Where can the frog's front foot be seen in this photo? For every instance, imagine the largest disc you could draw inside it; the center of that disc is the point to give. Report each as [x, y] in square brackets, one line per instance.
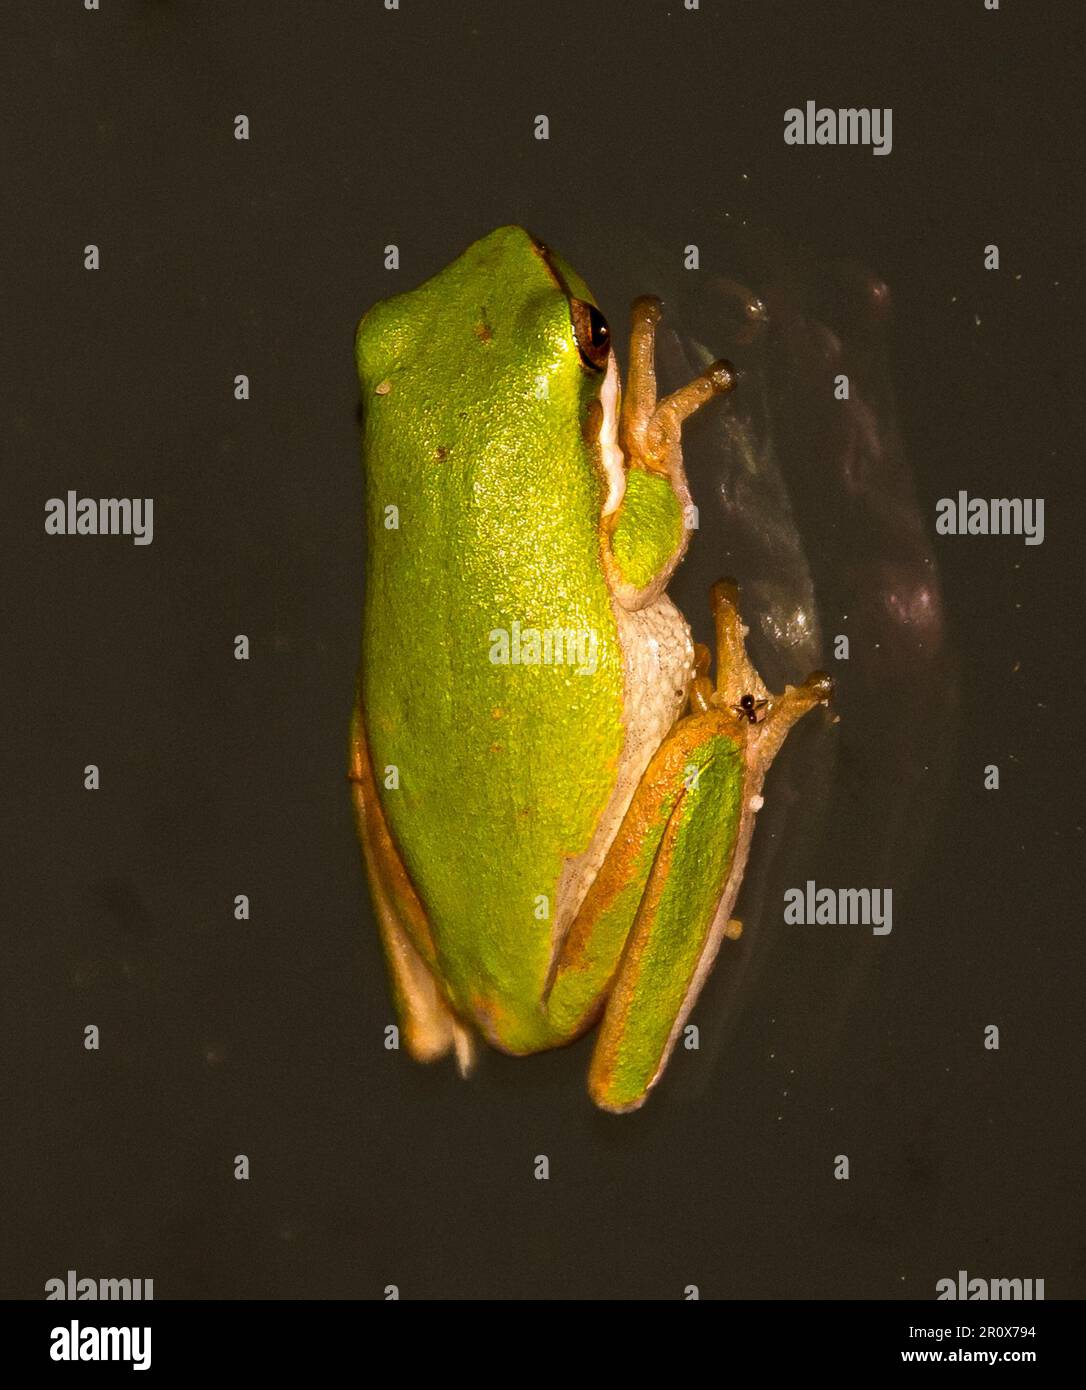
[650, 428]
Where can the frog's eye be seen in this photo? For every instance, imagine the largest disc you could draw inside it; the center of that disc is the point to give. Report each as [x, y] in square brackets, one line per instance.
[592, 334]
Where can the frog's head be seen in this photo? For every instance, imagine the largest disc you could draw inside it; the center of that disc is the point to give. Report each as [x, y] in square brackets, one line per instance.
[507, 286]
[506, 339]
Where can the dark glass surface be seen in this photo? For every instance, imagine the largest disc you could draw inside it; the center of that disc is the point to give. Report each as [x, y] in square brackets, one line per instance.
[222, 777]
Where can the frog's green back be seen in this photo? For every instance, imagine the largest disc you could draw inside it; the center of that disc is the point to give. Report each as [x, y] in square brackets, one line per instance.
[474, 402]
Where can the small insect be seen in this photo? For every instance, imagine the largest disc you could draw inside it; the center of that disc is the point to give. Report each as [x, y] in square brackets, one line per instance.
[748, 707]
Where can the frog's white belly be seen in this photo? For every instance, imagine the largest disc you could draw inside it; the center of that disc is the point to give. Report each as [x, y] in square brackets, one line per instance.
[658, 666]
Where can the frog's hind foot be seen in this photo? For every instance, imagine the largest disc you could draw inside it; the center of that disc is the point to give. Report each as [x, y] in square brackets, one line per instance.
[740, 690]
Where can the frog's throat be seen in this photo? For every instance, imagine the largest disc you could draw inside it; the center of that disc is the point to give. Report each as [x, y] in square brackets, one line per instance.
[612, 459]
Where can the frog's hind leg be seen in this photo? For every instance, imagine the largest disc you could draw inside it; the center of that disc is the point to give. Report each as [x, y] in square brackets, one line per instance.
[430, 1028]
[655, 917]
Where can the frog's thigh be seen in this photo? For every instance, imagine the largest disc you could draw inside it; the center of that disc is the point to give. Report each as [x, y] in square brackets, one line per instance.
[429, 1026]
[673, 934]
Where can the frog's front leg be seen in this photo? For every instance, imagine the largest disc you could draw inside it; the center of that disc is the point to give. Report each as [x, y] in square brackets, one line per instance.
[650, 925]
[647, 531]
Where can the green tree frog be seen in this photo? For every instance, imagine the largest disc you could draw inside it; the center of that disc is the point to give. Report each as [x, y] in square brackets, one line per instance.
[554, 799]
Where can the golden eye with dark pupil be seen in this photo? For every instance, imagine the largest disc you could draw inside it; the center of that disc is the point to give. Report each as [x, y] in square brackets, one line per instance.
[591, 332]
